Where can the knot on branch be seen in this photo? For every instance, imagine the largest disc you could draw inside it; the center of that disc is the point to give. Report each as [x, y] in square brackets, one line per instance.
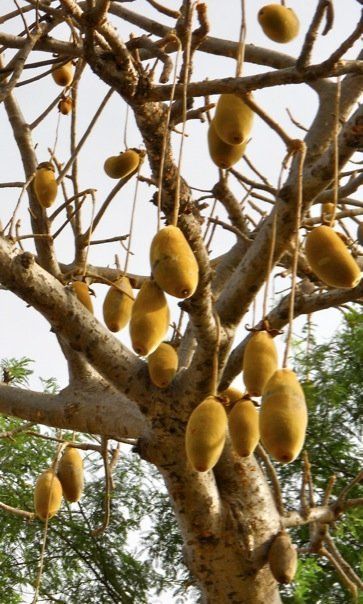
[25, 260]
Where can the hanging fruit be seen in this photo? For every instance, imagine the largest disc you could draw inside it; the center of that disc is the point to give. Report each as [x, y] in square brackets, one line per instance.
[282, 558]
[330, 259]
[206, 434]
[233, 119]
[63, 75]
[117, 305]
[81, 290]
[259, 362]
[120, 166]
[47, 495]
[70, 474]
[283, 416]
[279, 23]
[150, 318]
[243, 427]
[232, 395]
[173, 263]
[45, 184]
[65, 105]
[163, 365]
[222, 154]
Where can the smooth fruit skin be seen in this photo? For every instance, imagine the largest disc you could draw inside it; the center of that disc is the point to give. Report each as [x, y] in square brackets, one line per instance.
[327, 212]
[150, 318]
[233, 119]
[65, 105]
[283, 416]
[45, 184]
[82, 292]
[330, 259]
[47, 495]
[163, 365]
[244, 427]
[222, 154]
[63, 75]
[279, 23]
[259, 362]
[117, 306]
[70, 474]
[205, 434]
[282, 558]
[173, 263]
[232, 394]
[120, 166]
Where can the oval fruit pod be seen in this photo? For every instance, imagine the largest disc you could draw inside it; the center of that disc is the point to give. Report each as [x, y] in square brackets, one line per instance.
[70, 474]
[222, 154]
[65, 105]
[282, 558]
[173, 263]
[47, 495]
[232, 394]
[283, 416]
[206, 434]
[259, 362]
[117, 306]
[330, 259]
[327, 212]
[150, 318]
[233, 119]
[63, 75]
[163, 365]
[45, 185]
[81, 290]
[243, 426]
[279, 23]
[120, 166]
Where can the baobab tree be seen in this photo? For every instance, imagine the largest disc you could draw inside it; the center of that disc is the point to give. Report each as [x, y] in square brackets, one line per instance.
[228, 515]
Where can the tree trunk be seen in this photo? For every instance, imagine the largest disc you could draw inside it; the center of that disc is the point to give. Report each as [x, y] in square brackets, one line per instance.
[227, 517]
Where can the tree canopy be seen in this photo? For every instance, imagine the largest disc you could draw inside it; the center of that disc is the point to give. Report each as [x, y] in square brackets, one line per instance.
[185, 179]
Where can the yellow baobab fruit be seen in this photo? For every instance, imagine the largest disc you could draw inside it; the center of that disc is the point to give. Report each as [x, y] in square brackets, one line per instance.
[47, 495]
[45, 184]
[244, 428]
[327, 212]
[205, 434]
[70, 474]
[63, 75]
[65, 105]
[330, 259]
[163, 365]
[222, 154]
[259, 362]
[282, 558]
[279, 23]
[233, 119]
[81, 290]
[232, 394]
[173, 263]
[117, 305]
[283, 416]
[150, 318]
[120, 166]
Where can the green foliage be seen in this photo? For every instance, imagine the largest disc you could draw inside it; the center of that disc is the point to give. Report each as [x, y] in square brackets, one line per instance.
[16, 371]
[332, 376]
[139, 558]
